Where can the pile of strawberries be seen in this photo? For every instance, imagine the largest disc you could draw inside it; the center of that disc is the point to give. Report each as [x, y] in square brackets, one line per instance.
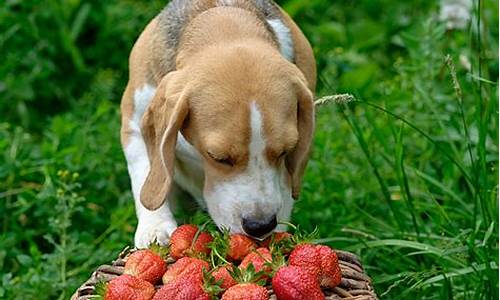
[228, 267]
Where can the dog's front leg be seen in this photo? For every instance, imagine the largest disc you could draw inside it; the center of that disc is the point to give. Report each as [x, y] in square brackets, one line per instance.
[152, 225]
[155, 225]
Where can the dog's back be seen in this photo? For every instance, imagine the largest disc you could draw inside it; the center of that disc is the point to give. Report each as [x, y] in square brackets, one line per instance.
[174, 18]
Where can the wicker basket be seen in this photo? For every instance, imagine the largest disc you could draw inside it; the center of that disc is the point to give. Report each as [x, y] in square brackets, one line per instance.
[355, 285]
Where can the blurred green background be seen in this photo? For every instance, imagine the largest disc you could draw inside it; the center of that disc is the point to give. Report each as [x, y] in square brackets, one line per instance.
[406, 177]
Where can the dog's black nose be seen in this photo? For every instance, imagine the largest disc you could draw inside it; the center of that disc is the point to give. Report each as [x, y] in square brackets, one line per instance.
[258, 228]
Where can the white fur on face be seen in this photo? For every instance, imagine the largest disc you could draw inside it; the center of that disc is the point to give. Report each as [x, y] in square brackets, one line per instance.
[257, 193]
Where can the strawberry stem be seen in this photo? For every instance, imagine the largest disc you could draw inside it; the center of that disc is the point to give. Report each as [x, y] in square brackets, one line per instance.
[214, 250]
[212, 259]
[197, 234]
[288, 224]
[261, 256]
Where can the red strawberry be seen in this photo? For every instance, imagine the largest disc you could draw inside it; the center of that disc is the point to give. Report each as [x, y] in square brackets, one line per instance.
[183, 267]
[239, 246]
[201, 243]
[258, 258]
[306, 257]
[128, 287]
[276, 237]
[319, 260]
[246, 291]
[222, 274]
[181, 241]
[186, 288]
[331, 274]
[295, 283]
[146, 265]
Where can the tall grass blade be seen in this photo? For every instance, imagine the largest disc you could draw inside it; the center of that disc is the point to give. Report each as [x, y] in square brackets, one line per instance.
[460, 272]
[424, 248]
[364, 147]
[403, 180]
[443, 188]
[426, 136]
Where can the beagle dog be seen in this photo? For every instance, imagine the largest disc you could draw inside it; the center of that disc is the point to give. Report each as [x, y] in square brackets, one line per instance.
[219, 102]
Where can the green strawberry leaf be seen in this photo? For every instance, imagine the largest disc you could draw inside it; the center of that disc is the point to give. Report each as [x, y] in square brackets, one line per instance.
[219, 247]
[162, 251]
[100, 289]
[211, 286]
[247, 275]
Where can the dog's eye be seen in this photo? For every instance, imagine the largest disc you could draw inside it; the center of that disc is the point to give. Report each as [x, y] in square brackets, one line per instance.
[280, 157]
[228, 161]
[225, 161]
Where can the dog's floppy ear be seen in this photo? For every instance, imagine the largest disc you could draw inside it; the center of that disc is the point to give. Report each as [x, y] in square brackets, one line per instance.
[297, 159]
[160, 125]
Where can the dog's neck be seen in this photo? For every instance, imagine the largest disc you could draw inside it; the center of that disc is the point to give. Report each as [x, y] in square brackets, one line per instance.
[229, 26]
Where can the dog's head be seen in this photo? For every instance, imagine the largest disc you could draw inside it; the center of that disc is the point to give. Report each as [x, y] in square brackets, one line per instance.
[250, 115]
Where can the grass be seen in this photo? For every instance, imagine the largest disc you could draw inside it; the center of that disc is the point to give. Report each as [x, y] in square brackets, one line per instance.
[406, 176]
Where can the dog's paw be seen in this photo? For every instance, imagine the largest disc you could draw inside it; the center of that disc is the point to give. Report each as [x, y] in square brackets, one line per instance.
[153, 230]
